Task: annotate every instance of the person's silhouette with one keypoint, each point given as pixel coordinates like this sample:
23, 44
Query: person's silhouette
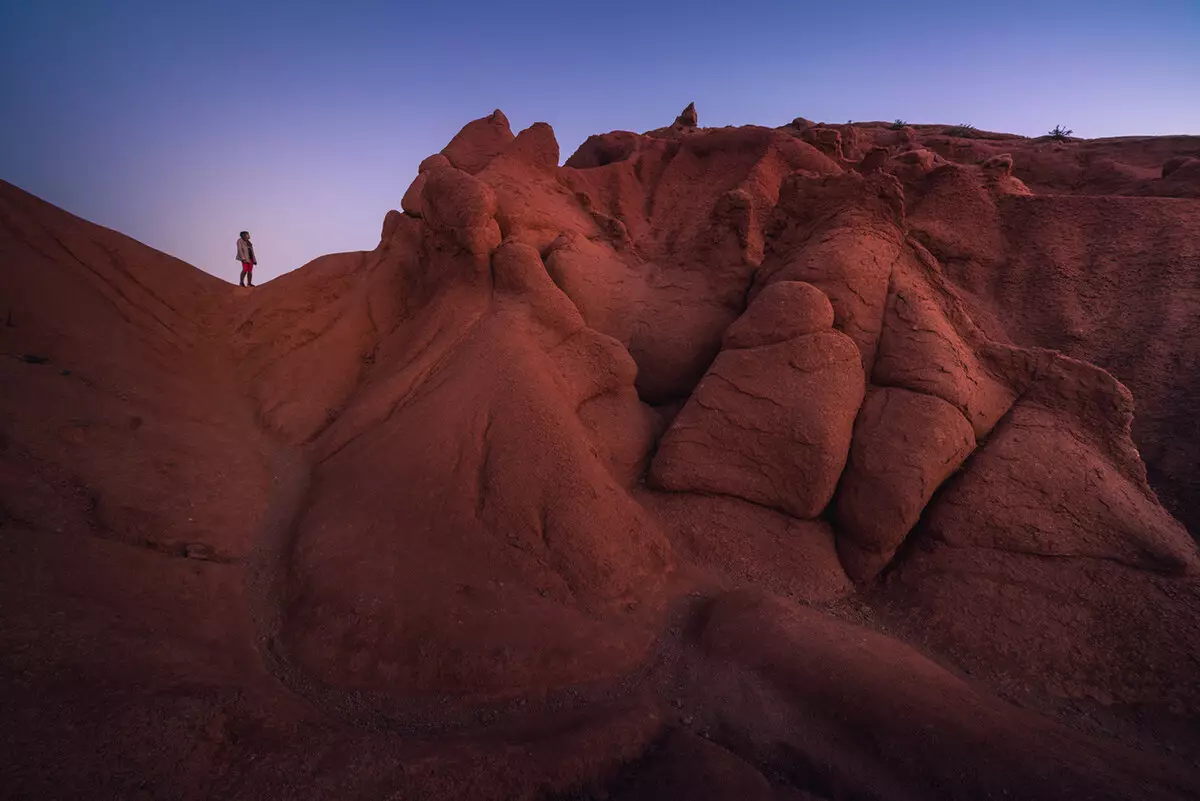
245, 254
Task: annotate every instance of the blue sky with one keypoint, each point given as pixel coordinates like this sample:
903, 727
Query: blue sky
182, 123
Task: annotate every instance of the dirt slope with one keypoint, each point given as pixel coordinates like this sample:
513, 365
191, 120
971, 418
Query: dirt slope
723, 463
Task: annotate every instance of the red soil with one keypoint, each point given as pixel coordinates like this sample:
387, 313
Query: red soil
719, 463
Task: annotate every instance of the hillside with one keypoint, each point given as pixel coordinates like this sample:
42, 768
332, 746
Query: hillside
816, 462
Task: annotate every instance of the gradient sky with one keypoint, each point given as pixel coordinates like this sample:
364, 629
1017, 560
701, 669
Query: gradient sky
182, 123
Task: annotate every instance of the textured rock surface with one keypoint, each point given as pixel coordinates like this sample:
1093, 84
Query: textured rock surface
905, 445
784, 310
927, 345
1074, 276
688, 117
770, 425
651, 475
1049, 483
479, 142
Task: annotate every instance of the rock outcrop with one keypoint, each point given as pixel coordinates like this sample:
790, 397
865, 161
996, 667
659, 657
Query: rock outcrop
905, 445
652, 474
688, 118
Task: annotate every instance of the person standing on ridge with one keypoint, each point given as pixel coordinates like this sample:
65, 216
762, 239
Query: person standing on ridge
245, 254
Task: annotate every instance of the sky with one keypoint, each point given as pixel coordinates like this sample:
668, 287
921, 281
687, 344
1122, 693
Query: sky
182, 123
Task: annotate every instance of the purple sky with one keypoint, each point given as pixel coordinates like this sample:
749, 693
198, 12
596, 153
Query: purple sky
182, 123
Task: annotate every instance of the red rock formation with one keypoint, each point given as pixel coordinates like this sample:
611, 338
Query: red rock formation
905, 445
688, 117
768, 424
633, 478
479, 142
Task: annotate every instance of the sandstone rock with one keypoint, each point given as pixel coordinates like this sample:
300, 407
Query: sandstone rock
998, 172
850, 263
792, 662
1049, 483
1010, 185
1180, 180
855, 141
827, 140
436, 160
750, 545
811, 197
1001, 164
536, 146
1064, 275
954, 214
456, 203
910, 165
905, 445
413, 203
500, 515
735, 210
1171, 165
596, 279
616, 298
770, 424
590, 364
479, 142
519, 275
420, 470
391, 224
782, 311
1052, 521
602, 149
842, 234
688, 117
623, 430
532, 205
889, 137
874, 160
922, 348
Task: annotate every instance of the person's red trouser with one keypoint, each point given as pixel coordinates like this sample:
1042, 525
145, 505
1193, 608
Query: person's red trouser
246, 267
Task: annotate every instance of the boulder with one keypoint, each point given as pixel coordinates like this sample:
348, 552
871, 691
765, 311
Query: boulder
479, 142
770, 424
436, 160
910, 165
413, 203
460, 205
905, 445
784, 310
998, 165
927, 345
1171, 165
827, 140
745, 544
1049, 484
